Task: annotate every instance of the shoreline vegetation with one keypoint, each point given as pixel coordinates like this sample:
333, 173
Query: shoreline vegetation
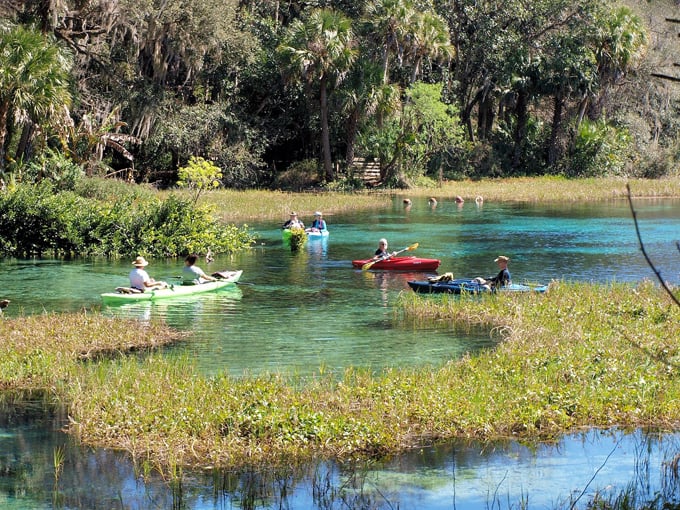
582, 355
235, 206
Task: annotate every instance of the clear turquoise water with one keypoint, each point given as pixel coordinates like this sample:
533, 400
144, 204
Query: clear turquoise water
311, 310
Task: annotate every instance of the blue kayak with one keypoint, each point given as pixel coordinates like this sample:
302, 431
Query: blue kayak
467, 286
315, 235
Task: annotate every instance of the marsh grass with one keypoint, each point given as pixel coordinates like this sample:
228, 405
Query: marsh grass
39, 351
237, 206
550, 189
243, 206
579, 356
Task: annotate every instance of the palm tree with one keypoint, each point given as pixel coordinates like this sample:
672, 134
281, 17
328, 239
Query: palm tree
430, 40
34, 76
391, 21
320, 50
364, 96
619, 42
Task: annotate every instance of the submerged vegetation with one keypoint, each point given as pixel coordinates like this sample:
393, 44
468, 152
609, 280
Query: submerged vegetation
581, 355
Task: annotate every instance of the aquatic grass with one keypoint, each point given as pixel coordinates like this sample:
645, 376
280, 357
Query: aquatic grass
549, 189
232, 205
38, 351
579, 356
242, 206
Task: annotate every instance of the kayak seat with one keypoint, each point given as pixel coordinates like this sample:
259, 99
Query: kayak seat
128, 290
446, 277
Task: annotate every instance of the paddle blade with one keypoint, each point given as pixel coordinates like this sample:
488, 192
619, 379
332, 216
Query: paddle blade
412, 247
368, 265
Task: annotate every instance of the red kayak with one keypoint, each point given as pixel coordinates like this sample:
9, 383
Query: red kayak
401, 264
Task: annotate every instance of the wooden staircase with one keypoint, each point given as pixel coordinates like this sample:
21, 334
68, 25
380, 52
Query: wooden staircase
368, 170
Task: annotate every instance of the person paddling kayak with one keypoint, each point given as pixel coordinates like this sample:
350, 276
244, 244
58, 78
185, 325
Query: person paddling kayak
140, 279
192, 274
382, 252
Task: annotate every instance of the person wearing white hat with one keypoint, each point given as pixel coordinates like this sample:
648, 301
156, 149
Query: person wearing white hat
319, 224
293, 221
502, 279
140, 279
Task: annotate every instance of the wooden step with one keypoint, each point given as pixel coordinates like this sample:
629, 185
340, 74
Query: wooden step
367, 170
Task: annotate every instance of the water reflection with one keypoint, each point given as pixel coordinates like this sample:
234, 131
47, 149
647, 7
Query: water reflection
459, 474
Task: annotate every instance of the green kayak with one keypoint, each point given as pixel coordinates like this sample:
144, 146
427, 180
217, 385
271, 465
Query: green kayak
127, 295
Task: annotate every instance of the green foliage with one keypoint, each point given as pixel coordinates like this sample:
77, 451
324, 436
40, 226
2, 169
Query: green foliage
34, 83
298, 237
214, 132
299, 176
39, 220
199, 175
224, 97
53, 166
600, 150
429, 129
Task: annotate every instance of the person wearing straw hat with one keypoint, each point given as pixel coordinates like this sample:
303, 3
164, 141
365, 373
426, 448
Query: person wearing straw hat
140, 279
319, 224
293, 221
502, 279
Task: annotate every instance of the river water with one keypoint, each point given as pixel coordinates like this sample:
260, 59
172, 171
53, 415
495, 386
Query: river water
308, 311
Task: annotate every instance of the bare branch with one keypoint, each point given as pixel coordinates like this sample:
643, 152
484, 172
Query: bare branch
644, 252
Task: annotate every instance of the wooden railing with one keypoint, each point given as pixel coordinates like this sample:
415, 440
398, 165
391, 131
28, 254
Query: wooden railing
367, 170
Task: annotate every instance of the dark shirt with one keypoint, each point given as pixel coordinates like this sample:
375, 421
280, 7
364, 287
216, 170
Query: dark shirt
381, 253
293, 224
500, 280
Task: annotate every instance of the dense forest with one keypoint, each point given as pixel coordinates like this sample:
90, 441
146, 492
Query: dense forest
288, 94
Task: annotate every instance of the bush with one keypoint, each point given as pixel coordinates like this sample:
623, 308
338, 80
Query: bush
600, 150
299, 176
37, 220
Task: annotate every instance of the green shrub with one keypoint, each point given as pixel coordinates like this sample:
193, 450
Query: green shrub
300, 175
600, 150
38, 220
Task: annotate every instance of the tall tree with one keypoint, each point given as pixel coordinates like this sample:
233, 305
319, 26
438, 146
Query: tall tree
619, 42
320, 51
363, 96
390, 21
34, 74
429, 40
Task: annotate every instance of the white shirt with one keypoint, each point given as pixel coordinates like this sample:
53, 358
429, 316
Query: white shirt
137, 278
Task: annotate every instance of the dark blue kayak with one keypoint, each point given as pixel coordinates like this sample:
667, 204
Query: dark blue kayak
468, 286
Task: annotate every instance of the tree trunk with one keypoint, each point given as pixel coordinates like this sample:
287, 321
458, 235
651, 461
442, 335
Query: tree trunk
416, 69
553, 149
24, 149
4, 116
485, 116
520, 132
352, 124
325, 134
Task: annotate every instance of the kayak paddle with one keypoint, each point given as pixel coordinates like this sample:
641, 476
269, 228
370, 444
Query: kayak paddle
368, 265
